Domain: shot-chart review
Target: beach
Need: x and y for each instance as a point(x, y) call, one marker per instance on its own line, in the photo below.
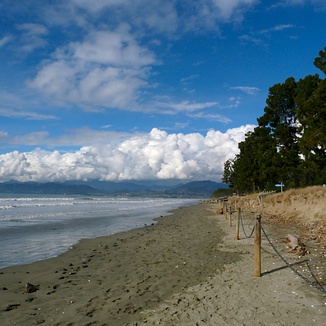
point(187, 269)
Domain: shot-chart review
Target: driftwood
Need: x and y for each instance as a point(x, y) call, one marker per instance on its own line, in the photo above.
point(219, 211)
point(295, 245)
point(30, 288)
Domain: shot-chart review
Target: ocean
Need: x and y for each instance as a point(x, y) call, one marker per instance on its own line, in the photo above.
point(36, 228)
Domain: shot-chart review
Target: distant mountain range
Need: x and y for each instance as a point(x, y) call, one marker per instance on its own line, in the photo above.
point(169, 188)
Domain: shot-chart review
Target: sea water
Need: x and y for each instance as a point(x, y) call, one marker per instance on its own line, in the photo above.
point(36, 228)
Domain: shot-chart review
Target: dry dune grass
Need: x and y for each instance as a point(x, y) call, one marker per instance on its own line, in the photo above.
point(300, 205)
point(304, 208)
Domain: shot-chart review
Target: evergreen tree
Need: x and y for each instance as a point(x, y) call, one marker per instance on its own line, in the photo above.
point(280, 119)
point(267, 158)
point(311, 101)
point(289, 144)
point(306, 91)
point(228, 172)
point(246, 165)
point(320, 62)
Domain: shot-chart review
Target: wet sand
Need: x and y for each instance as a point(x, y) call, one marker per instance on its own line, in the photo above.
point(185, 270)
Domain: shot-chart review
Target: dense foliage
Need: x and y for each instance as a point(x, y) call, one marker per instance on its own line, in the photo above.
point(289, 144)
point(222, 192)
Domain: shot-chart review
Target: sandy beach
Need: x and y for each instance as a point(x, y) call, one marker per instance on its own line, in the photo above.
point(185, 270)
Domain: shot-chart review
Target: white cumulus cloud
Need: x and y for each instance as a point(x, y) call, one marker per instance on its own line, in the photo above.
point(156, 155)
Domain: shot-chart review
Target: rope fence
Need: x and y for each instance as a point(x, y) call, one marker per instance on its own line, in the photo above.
point(316, 285)
point(256, 230)
point(243, 229)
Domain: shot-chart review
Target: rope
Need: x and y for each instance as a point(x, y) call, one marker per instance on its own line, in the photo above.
point(313, 275)
point(244, 231)
point(268, 252)
point(317, 286)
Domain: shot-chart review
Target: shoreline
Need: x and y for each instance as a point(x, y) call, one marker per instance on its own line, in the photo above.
point(185, 269)
point(38, 230)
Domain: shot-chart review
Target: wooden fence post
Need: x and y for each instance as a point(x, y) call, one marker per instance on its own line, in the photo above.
point(238, 225)
point(230, 216)
point(225, 211)
point(257, 247)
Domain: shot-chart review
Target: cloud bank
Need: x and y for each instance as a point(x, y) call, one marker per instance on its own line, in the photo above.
point(156, 155)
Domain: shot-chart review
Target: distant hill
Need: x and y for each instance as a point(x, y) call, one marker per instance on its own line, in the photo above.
point(50, 188)
point(95, 187)
point(194, 188)
point(111, 187)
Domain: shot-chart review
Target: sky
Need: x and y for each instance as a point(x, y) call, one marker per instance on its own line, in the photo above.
point(134, 90)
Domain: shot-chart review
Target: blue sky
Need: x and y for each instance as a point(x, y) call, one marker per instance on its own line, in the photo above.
point(115, 90)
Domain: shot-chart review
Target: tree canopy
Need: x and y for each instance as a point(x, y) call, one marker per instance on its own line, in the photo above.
point(289, 144)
